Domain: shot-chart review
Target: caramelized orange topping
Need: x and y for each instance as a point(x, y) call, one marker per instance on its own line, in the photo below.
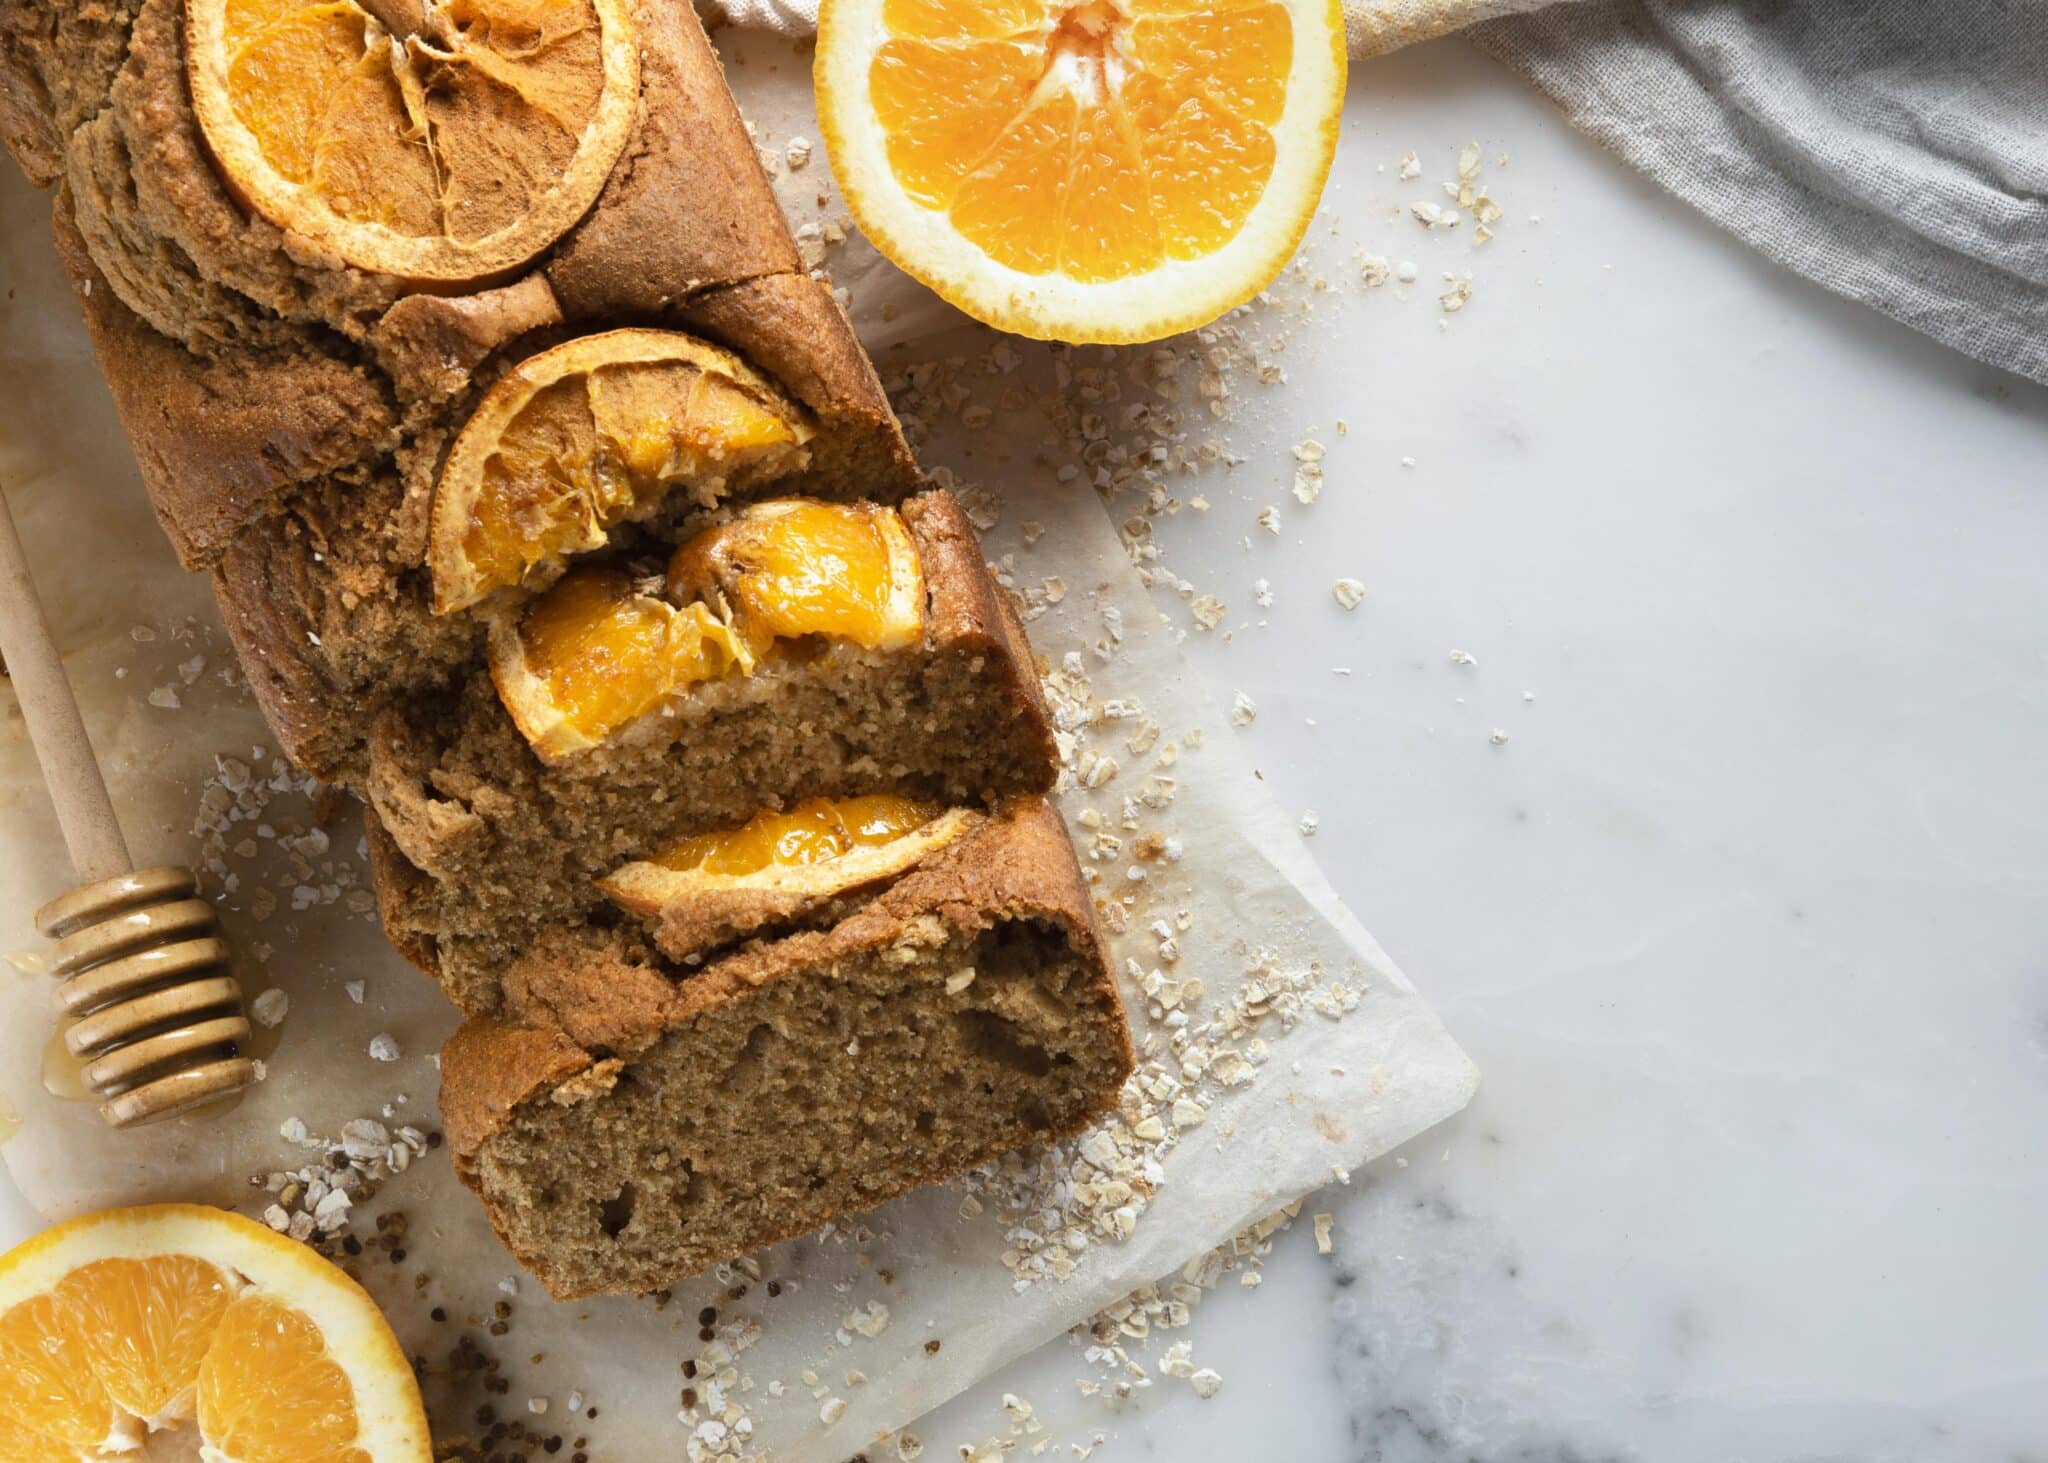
point(814, 832)
point(591, 434)
point(595, 653)
point(452, 148)
point(800, 567)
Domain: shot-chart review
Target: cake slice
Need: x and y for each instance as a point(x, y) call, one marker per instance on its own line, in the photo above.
point(634, 1128)
point(512, 799)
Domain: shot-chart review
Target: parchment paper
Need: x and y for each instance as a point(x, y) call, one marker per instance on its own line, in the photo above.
point(1317, 1098)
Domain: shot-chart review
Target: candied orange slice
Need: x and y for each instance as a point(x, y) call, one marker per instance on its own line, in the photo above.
point(171, 1317)
point(778, 865)
point(440, 141)
point(810, 833)
point(1084, 170)
point(796, 566)
point(594, 655)
point(592, 433)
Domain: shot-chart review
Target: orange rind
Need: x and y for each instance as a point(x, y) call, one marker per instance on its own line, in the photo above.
point(442, 142)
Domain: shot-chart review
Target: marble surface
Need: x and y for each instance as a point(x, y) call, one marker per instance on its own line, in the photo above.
point(1746, 921)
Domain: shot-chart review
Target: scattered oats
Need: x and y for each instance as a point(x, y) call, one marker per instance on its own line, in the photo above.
point(270, 1007)
point(1426, 213)
point(870, 1321)
point(1208, 610)
point(1350, 593)
point(537, 1405)
point(383, 1047)
point(1411, 166)
point(1454, 299)
point(832, 1411)
point(1208, 1381)
point(1499, 738)
point(1262, 593)
point(909, 1447)
point(798, 153)
point(1242, 710)
point(354, 988)
point(165, 698)
point(1463, 657)
point(1324, 1223)
point(1310, 822)
point(1374, 270)
point(1269, 519)
point(1468, 160)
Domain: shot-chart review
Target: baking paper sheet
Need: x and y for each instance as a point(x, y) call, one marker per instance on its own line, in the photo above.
point(155, 673)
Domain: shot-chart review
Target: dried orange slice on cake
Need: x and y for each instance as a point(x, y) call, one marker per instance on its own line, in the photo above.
point(175, 1317)
point(441, 141)
point(596, 654)
point(779, 866)
point(1083, 170)
point(798, 566)
point(592, 433)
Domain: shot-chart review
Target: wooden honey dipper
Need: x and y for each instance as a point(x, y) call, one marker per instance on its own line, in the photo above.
point(159, 1023)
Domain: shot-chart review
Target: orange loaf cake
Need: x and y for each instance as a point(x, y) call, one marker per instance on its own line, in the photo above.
point(554, 510)
point(645, 1128)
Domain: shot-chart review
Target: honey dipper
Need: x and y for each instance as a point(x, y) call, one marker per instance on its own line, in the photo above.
point(158, 1017)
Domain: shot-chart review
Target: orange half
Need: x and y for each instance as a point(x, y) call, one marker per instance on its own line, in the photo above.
point(171, 1317)
point(1083, 170)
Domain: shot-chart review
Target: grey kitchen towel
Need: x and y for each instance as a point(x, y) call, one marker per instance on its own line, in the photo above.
point(1894, 152)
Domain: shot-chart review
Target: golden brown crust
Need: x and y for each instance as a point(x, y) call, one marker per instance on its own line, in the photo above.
point(497, 1067)
point(219, 441)
point(790, 327)
point(687, 207)
point(1014, 867)
point(265, 598)
point(968, 608)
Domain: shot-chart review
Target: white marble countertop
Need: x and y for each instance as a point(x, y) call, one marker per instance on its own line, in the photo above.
point(1746, 921)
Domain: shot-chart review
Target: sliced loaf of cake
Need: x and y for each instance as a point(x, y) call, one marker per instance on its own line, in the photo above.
point(626, 1129)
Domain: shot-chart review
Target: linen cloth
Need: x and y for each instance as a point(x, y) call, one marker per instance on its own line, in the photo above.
point(1892, 151)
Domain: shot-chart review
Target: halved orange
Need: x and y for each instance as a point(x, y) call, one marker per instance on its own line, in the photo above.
point(593, 655)
point(130, 1322)
point(592, 433)
point(797, 566)
point(1083, 170)
point(779, 865)
point(441, 141)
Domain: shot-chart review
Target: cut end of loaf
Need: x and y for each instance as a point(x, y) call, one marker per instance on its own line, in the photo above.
point(758, 1120)
point(646, 1131)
